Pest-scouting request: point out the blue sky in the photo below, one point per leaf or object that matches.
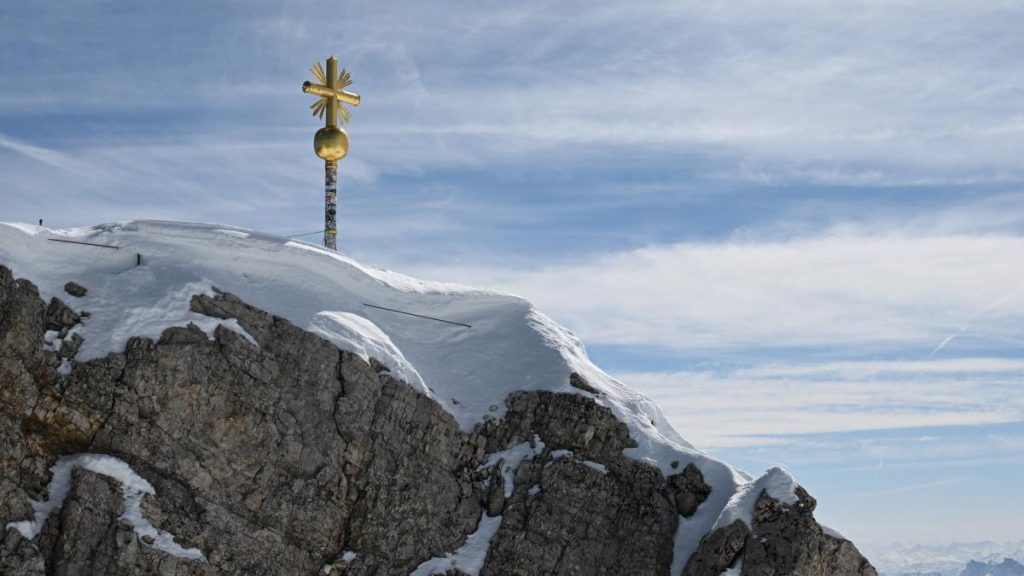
(797, 225)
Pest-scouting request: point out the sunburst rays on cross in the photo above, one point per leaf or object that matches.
(320, 106)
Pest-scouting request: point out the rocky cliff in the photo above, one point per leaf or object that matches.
(265, 449)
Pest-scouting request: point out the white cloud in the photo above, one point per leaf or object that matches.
(860, 93)
(772, 404)
(841, 289)
(869, 92)
(49, 158)
(847, 370)
(915, 487)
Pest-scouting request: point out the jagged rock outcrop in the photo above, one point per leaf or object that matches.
(782, 539)
(293, 457)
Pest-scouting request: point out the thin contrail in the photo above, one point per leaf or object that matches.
(946, 341)
(993, 306)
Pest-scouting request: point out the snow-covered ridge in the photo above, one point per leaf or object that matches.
(509, 346)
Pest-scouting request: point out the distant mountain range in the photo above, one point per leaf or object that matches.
(954, 559)
(1008, 567)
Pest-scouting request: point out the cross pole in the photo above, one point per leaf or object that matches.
(331, 142)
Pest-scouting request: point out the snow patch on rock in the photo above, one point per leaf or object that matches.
(511, 458)
(561, 454)
(779, 485)
(736, 570)
(133, 487)
(470, 557)
(832, 532)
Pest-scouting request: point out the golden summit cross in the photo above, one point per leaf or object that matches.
(331, 142)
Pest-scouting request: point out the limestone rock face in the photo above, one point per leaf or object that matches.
(565, 517)
(293, 457)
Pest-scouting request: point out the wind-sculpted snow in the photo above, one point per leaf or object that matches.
(510, 346)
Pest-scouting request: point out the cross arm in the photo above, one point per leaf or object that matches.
(326, 92)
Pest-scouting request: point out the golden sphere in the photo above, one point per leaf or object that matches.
(331, 143)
